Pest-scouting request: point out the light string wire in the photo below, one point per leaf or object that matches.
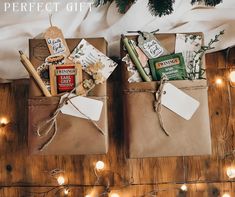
(155, 191)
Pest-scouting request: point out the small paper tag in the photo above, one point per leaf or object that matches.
(151, 46)
(178, 101)
(56, 42)
(91, 108)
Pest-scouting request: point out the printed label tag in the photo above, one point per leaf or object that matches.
(56, 42)
(151, 46)
(92, 108)
(178, 101)
(64, 78)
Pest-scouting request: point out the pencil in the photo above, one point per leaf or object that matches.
(30, 68)
(135, 59)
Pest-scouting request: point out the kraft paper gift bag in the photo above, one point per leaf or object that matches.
(74, 135)
(144, 136)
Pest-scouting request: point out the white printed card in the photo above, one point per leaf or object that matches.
(178, 101)
(93, 61)
(89, 108)
(188, 44)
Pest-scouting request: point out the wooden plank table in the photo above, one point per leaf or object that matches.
(21, 173)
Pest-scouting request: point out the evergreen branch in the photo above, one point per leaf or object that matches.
(98, 3)
(160, 7)
(208, 2)
(197, 58)
(123, 5)
(156, 7)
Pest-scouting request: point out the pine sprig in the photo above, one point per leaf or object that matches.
(123, 5)
(156, 7)
(98, 3)
(194, 73)
(208, 2)
(160, 7)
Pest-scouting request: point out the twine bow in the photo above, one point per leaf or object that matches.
(51, 122)
(158, 104)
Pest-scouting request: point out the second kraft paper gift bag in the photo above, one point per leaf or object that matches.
(144, 135)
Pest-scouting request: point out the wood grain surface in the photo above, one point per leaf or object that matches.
(24, 175)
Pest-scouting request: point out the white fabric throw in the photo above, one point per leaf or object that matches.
(17, 27)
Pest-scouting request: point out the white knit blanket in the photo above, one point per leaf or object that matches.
(17, 27)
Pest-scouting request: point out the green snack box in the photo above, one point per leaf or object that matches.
(172, 66)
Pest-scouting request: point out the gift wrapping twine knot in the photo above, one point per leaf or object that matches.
(158, 104)
(51, 122)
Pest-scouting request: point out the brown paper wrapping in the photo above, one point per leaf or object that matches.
(38, 52)
(74, 135)
(144, 136)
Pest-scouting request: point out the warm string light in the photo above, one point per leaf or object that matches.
(107, 175)
(219, 81)
(66, 191)
(61, 180)
(99, 165)
(184, 188)
(231, 172)
(226, 195)
(232, 76)
(115, 195)
(3, 122)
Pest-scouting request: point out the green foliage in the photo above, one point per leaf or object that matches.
(197, 58)
(98, 3)
(123, 5)
(156, 7)
(208, 2)
(160, 7)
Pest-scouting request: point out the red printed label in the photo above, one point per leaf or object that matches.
(65, 78)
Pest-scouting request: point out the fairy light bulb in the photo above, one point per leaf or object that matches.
(184, 188)
(231, 173)
(3, 122)
(88, 195)
(60, 180)
(66, 191)
(99, 165)
(226, 195)
(115, 195)
(219, 81)
(232, 76)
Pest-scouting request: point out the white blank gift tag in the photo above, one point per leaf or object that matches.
(90, 107)
(178, 101)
